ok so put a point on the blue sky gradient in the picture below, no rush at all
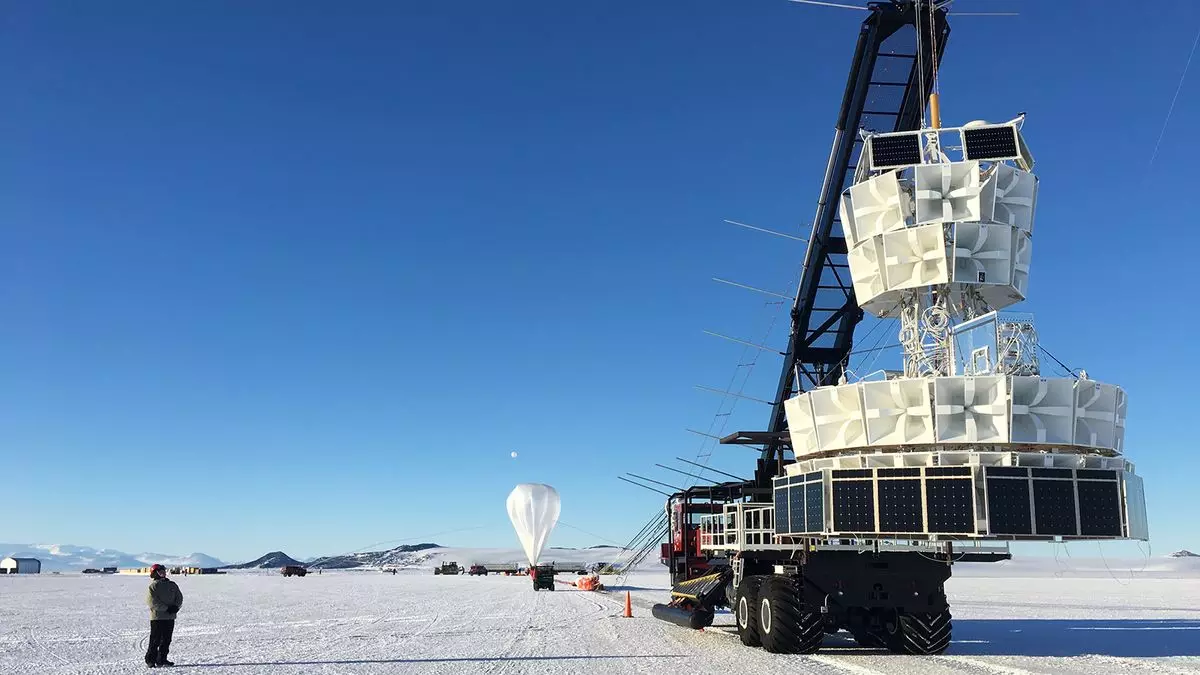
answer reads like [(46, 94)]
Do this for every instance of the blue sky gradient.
[(296, 276)]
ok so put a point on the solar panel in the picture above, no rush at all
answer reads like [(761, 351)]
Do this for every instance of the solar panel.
[(998, 142), (947, 471), (1054, 507), (1099, 509), (950, 506), (900, 506), (814, 503), (894, 150), (854, 506), (782, 522), (796, 503), (1008, 505)]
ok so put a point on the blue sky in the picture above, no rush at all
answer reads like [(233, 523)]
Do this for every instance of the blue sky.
[(303, 279)]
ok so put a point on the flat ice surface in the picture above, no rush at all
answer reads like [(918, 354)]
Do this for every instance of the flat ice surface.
[(1051, 621)]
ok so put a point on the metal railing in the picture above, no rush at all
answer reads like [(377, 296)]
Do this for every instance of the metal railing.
[(739, 526)]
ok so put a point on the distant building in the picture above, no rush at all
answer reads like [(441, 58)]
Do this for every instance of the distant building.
[(134, 570), (182, 571), (20, 566)]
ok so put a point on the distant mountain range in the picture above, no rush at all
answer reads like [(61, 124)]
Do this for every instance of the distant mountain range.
[(408, 555), (68, 558), (270, 560), (1184, 554)]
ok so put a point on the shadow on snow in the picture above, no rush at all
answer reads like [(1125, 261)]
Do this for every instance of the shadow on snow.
[(463, 659), (1076, 637)]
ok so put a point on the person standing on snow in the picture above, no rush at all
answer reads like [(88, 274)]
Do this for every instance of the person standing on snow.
[(164, 599)]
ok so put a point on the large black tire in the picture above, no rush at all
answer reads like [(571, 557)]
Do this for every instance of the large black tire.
[(784, 626), (925, 634), (745, 610)]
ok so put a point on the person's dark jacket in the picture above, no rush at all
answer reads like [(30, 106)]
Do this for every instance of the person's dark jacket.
[(164, 599)]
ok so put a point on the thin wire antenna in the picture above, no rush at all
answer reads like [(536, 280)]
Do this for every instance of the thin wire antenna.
[(821, 3), (701, 433), (651, 480), (730, 393), (752, 288), (709, 468), (644, 487), (946, 3), (744, 342), (1175, 98), (763, 229), (668, 468)]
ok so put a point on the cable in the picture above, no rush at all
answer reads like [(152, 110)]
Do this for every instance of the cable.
[(590, 534), (920, 58), (1175, 98), (1070, 371)]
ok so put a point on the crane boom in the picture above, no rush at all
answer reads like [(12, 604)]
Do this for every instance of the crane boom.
[(890, 79)]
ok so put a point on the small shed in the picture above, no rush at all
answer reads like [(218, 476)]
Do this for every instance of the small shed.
[(20, 566)]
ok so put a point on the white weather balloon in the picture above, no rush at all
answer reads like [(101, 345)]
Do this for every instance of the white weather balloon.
[(514, 454), (533, 509)]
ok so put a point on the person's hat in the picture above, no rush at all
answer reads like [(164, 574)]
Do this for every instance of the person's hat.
[(157, 569)]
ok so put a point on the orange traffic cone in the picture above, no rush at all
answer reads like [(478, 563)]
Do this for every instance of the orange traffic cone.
[(628, 606)]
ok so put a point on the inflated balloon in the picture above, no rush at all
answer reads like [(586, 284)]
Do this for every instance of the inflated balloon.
[(533, 509)]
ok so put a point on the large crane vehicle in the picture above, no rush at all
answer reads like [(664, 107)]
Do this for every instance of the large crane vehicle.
[(867, 492)]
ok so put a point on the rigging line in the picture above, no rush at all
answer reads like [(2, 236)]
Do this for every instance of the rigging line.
[(1070, 371), (920, 59), (860, 352), (846, 360), (933, 86), (877, 352), (874, 348), (708, 443), (1175, 98), (591, 534)]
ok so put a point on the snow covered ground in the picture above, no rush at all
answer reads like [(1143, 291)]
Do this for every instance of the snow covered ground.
[(1041, 617)]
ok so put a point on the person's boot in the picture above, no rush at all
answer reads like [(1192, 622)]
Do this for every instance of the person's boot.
[(164, 664)]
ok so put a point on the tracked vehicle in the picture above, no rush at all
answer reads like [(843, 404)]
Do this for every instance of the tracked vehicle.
[(867, 491)]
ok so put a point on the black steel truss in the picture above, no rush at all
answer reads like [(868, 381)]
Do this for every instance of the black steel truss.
[(886, 91)]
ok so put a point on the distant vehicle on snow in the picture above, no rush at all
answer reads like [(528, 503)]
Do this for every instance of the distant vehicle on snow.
[(448, 568), (293, 571)]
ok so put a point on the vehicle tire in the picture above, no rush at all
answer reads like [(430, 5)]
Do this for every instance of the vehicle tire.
[(784, 626), (745, 610), (925, 633)]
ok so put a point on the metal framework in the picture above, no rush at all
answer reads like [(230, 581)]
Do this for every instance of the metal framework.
[(887, 89)]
